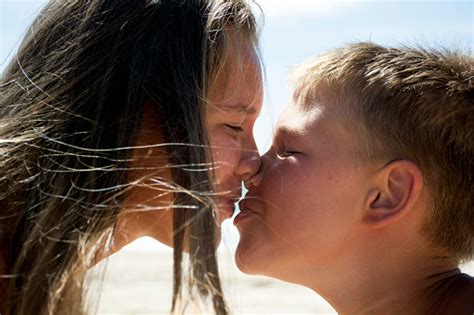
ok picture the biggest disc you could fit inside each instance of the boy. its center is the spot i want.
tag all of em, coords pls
(366, 195)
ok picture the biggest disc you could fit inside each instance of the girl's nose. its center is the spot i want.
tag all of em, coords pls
(250, 161)
(255, 181)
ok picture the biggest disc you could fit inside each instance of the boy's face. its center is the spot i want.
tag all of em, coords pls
(305, 210)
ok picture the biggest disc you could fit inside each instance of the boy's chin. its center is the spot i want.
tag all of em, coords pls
(249, 260)
(243, 262)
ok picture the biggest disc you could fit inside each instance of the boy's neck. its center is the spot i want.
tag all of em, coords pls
(390, 285)
(402, 294)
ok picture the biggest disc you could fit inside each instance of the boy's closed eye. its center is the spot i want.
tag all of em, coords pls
(287, 153)
(284, 150)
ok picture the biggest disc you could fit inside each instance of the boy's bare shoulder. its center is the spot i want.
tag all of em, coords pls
(460, 299)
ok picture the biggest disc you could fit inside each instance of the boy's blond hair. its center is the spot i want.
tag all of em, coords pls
(412, 104)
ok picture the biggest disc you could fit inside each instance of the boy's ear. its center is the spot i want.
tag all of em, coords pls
(397, 189)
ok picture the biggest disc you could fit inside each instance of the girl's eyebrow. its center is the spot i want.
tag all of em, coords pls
(239, 108)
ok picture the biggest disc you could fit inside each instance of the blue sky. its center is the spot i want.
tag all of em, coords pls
(295, 30)
(292, 35)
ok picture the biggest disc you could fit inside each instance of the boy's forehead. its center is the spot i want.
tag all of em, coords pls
(298, 118)
(314, 121)
(334, 100)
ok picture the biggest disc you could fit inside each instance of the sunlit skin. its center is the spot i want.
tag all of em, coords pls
(234, 103)
(319, 216)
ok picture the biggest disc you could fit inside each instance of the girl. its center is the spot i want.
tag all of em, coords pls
(108, 113)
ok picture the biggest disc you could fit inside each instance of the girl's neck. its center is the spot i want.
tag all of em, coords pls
(3, 280)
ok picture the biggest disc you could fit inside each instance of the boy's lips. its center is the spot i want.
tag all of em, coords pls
(248, 205)
(246, 210)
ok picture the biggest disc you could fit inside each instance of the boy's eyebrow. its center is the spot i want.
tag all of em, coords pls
(288, 131)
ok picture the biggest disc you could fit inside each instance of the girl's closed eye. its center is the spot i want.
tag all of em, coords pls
(234, 129)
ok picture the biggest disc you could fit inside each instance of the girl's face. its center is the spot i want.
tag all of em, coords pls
(233, 104)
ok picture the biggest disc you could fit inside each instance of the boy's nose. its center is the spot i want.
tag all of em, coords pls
(249, 163)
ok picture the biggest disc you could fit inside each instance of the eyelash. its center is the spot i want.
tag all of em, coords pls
(236, 129)
(286, 154)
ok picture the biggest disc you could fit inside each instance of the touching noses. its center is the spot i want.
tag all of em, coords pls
(250, 162)
(266, 163)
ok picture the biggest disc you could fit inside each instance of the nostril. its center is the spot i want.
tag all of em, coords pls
(249, 165)
(254, 181)
(256, 164)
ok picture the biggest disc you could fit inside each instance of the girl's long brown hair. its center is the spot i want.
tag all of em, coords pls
(71, 101)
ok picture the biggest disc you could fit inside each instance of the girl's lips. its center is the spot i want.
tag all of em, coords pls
(226, 209)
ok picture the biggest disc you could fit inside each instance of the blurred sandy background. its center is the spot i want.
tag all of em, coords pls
(138, 281)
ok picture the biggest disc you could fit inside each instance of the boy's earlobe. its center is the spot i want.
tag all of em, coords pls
(398, 188)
